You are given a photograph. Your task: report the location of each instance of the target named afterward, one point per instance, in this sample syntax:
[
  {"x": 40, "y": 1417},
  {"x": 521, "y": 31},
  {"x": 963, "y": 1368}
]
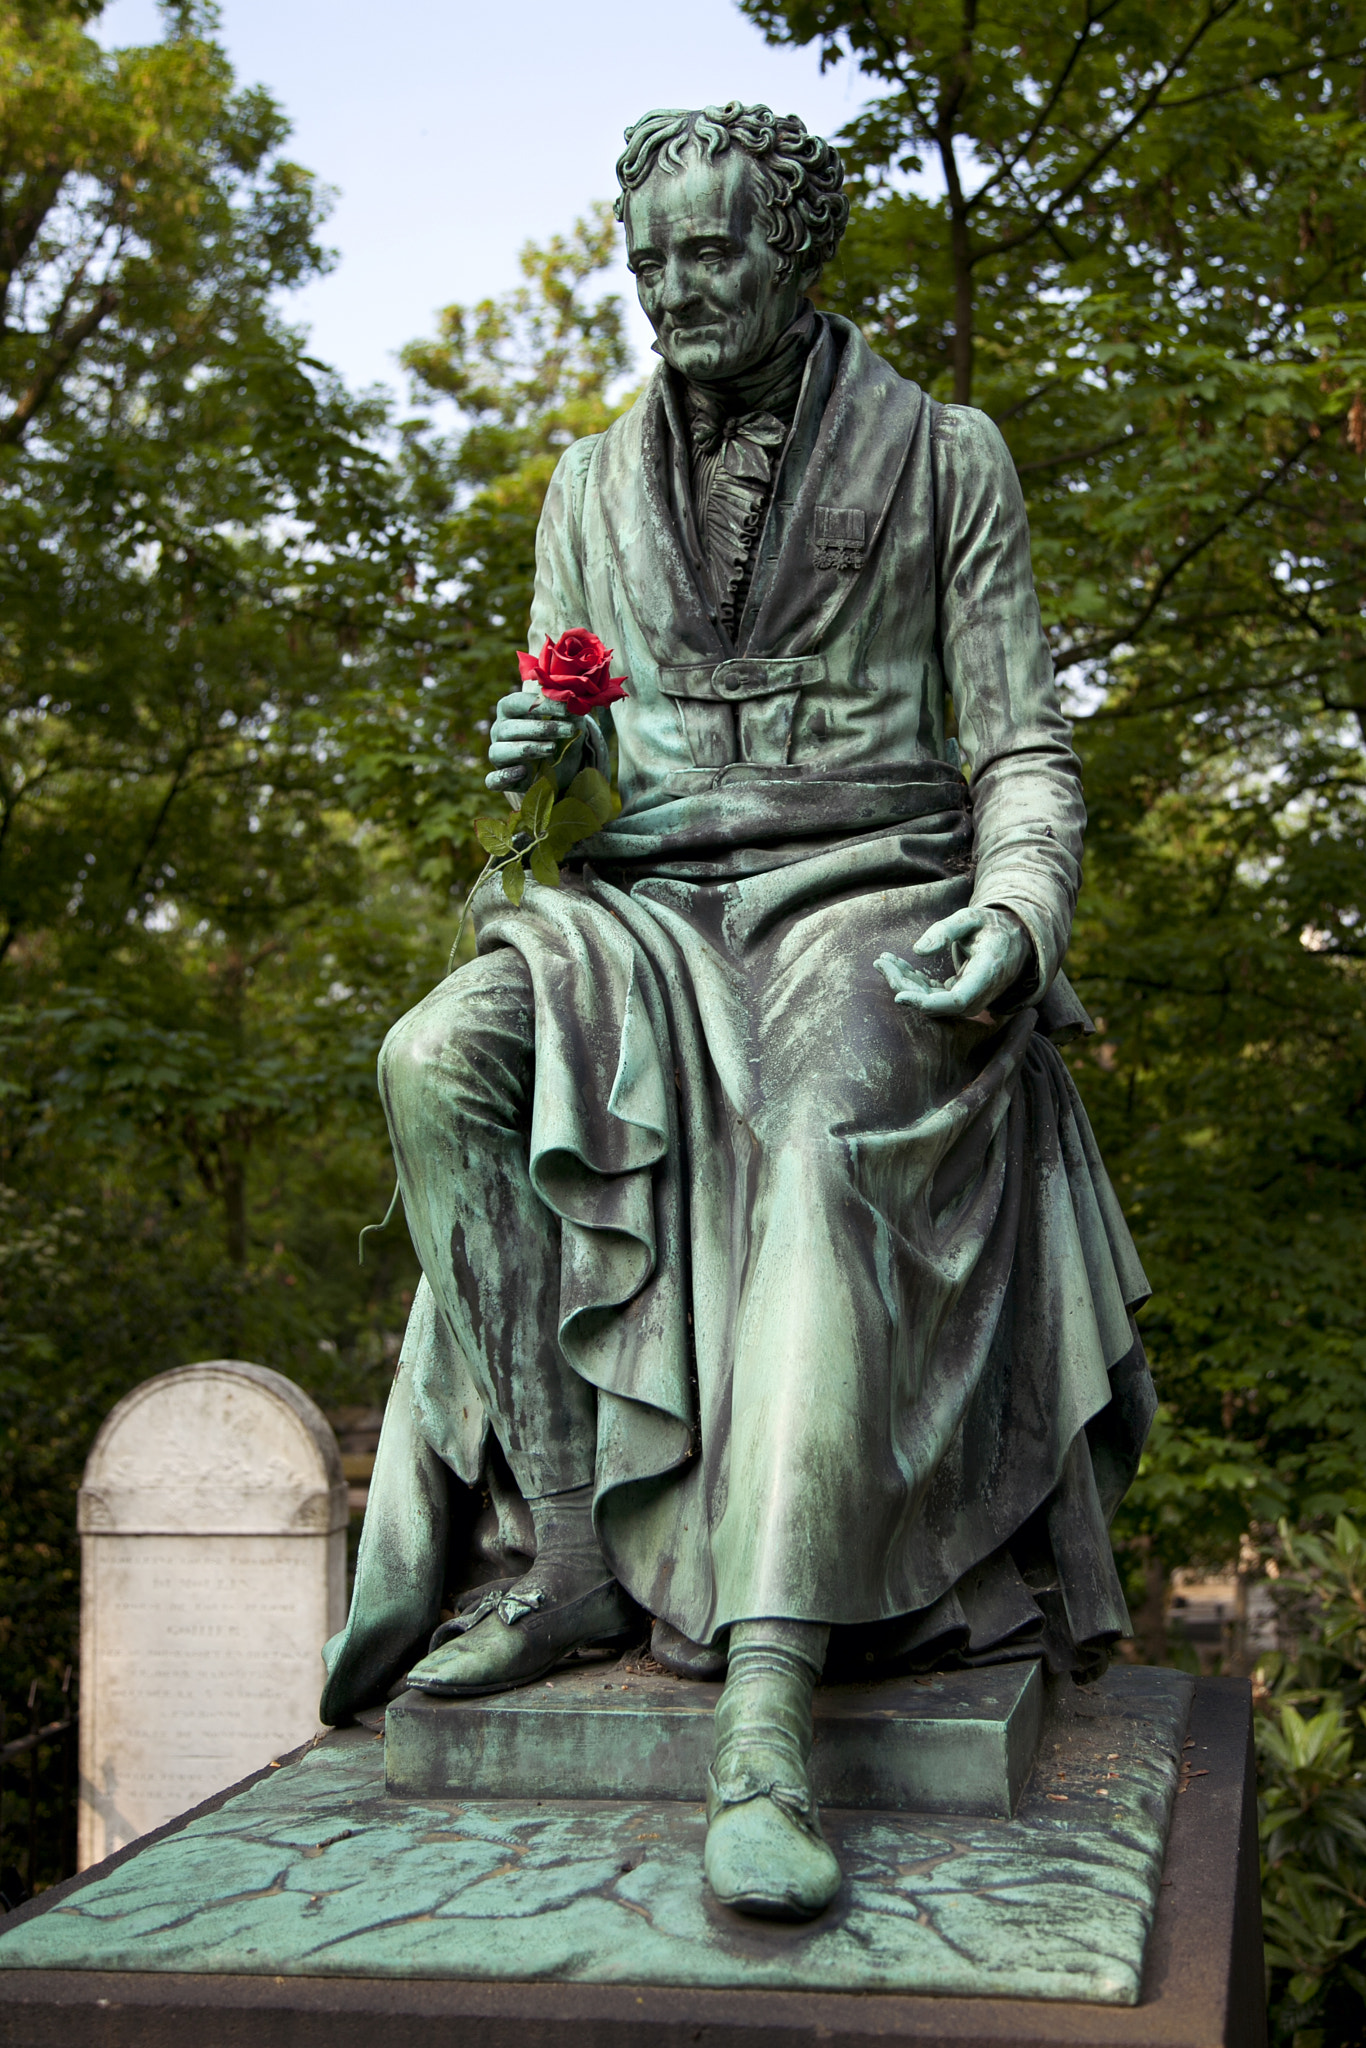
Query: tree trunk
[
  {"x": 234, "y": 1184},
  {"x": 960, "y": 249},
  {"x": 962, "y": 306},
  {"x": 1150, "y": 1622},
  {"x": 960, "y": 233}
]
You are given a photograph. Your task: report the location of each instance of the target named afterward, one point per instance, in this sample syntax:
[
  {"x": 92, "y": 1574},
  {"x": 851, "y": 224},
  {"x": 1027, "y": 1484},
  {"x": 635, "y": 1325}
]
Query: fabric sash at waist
[{"x": 705, "y": 814}]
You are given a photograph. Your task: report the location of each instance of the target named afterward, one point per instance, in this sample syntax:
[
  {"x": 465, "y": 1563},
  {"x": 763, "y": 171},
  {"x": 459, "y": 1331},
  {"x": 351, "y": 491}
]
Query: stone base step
[{"x": 961, "y": 1742}]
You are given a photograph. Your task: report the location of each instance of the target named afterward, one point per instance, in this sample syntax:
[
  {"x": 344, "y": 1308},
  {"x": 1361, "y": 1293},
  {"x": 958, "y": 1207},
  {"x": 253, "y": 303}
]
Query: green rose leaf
[
  {"x": 537, "y": 805},
  {"x": 593, "y": 789},
  {"x": 544, "y": 865},
  {"x": 494, "y": 834},
  {"x": 570, "y": 821},
  {"x": 514, "y": 881}
]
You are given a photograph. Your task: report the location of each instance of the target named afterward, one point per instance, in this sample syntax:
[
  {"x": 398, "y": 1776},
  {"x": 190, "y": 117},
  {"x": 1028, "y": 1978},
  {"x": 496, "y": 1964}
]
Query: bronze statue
[{"x": 773, "y": 1283}]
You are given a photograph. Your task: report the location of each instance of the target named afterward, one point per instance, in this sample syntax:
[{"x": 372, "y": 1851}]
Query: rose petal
[
  {"x": 575, "y": 672},
  {"x": 580, "y": 697}
]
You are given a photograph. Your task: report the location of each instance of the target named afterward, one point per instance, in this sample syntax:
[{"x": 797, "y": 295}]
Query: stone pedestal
[
  {"x": 316, "y": 1910},
  {"x": 213, "y": 1568},
  {"x": 959, "y": 1743}
]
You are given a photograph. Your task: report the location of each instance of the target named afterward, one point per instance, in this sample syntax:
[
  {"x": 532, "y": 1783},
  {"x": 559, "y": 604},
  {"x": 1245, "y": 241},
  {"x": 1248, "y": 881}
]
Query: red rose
[{"x": 575, "y": 671}]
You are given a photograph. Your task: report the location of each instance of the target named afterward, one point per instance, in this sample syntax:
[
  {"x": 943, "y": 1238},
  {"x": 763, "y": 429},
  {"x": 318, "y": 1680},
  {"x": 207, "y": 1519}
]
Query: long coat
[{"x": 851, "y": 1283}]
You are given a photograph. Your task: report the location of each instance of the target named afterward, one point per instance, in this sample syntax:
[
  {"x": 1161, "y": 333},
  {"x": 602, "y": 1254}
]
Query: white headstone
[{"x": 213, "y": 1569}]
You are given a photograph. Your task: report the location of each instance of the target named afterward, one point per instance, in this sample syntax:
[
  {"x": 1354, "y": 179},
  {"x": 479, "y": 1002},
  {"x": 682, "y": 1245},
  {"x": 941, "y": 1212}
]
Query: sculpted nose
[{"x": 677, "y": 286}]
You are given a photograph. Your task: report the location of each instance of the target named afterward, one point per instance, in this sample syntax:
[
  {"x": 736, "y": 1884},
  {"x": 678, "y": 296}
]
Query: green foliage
[
  {"x": 192, "y": 524},
  {"x": 200, "y": 947},
  {"x": 526, "y": 375},
  {"x": 535, "y": 836},
  {"x": 1134, "y": 236},
  {"x": 1311, "y": 1748},
  {"x": 247, "y": 658},
  {"x": 247, "y": 664},
  {"x": 1188, "y": 1473}
]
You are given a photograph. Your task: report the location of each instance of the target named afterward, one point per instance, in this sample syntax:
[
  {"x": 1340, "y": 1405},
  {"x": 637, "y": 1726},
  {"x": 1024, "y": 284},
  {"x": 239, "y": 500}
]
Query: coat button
[{"x": 744, "y": 678}]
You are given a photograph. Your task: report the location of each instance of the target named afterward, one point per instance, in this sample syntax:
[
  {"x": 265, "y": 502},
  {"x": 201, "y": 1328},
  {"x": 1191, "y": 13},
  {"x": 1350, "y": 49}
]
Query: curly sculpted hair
[{"x": 799, "y": 177}]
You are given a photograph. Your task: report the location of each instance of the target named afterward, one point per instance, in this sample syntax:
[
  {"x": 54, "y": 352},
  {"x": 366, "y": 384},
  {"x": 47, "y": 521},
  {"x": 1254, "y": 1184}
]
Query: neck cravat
[{"x": 737, "y": 431}]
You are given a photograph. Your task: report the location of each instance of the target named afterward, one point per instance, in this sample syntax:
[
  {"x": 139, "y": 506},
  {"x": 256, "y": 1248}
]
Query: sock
[
  {"x": 763, "y": 1718},
  {"x": 569, "y": 1560}
]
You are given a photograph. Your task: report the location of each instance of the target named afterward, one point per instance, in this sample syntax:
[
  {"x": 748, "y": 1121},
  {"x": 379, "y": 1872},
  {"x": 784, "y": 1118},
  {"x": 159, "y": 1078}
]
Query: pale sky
[{"x": 456, "y": 130}]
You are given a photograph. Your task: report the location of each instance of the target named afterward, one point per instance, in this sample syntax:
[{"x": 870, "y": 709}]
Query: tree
[
  {"x": 525, "y": 375},
  {"x": 192, "y": 520},
  {"x": 1135, "y": 237},
  {"x": 248, "y": 638},
  {"x": 200, "y": 947}
]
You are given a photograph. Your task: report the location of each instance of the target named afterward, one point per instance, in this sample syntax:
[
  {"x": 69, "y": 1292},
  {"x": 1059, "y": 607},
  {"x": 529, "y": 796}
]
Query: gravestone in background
[{"x": 213, "y": 1568}]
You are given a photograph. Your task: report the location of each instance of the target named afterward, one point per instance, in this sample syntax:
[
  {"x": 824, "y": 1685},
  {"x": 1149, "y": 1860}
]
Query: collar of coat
[{"x": 854, "y": 428}]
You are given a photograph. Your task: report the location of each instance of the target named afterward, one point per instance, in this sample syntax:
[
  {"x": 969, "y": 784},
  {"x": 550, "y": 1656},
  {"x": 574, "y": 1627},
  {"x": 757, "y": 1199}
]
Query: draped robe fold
[{"x": 850, "y": 1284}]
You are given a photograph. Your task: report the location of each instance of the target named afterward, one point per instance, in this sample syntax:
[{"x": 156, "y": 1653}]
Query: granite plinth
[
  {"x": 317, "y": 1871},
  {"x": 961, "y": 1742}
]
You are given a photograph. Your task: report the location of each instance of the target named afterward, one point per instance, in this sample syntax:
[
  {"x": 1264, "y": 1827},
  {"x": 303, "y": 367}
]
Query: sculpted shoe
[
  {"x": 767, "y": 1859},
  {"x": 517, "y": 1631},
  {"x": 685, "y": 1658},
  {"x": 514, "y": 1635},
  {"x": 765, "y": 1854}
]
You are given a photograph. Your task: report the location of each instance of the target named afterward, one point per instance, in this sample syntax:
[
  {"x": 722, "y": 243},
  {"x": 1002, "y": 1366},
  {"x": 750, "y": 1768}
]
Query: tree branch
[
  {"x": 64, "y": 348},
  {"x": 19, "y": 230},
  {"x": 1083, "y": 177},
  {"x": 1091, "y": 650},
  {"x": 158, "y": 822},
  {"x": 1080, "y": 454},
  {"x": 1023, "y": 404},
  {"x": 1007, "y": 165},
  {"x": 1311, "y": 63}
]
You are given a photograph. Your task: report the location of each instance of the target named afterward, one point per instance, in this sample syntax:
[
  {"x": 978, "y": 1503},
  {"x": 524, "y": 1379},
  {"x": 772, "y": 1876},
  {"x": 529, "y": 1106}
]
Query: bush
[{"x": 1311, "y": 1752}]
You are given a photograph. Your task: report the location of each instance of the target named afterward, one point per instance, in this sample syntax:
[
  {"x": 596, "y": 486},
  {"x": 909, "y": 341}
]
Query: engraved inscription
[{"x": 200, "y": 1651}]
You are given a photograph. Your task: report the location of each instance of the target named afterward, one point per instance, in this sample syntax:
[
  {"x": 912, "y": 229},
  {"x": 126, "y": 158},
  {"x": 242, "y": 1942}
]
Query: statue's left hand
[{"x": 996, "y": 952}]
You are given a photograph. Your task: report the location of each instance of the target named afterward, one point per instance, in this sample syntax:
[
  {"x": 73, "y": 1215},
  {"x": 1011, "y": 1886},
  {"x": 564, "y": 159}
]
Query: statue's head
[{"x": 730, "y": 213}]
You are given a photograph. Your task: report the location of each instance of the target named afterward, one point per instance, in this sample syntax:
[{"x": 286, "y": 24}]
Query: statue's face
[{"x": 707, "y": 279}]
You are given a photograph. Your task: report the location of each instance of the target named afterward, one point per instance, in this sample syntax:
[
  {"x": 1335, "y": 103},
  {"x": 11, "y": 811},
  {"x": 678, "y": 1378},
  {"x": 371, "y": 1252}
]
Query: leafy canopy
[
  {"x": 199, "y": 947},
  {"x": 501, "y": 391},
  {"x": 250, "y": 628}
]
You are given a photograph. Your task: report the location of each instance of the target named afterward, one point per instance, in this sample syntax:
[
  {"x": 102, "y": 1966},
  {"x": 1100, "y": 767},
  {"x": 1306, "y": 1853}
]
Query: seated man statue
[{"x": 773, "y": 1284}]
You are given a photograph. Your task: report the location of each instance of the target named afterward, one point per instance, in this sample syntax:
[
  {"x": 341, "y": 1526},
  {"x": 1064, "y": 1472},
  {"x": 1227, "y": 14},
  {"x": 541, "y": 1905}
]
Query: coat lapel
[
  {"x": 634, "y": 467},
  {"x": 856, "y": 422}
]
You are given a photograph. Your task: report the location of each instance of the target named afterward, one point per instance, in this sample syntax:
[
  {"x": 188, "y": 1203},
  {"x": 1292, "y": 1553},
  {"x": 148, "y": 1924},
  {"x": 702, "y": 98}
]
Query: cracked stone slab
[{"x": 316, "y": 1871}]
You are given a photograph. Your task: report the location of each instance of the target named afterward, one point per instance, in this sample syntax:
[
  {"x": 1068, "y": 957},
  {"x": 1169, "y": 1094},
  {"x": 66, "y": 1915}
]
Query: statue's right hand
[{"x": 530, "y": 732}]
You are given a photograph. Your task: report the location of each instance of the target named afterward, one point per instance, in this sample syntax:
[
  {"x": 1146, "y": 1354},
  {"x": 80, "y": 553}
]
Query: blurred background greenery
[{"x": 252, "y": 626}]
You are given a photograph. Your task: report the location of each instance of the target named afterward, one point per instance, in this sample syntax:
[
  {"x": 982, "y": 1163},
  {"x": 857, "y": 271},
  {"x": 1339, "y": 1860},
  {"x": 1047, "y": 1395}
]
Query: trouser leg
[{"x": 456, "y": 1080}]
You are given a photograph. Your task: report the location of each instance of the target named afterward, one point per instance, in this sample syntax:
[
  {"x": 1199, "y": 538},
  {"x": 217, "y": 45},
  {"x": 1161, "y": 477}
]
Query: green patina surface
[
  {"x": 315, "y": 1871},
  {"x": 751, "y": 1193},
  {"x": 960, "y": 1741}
]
